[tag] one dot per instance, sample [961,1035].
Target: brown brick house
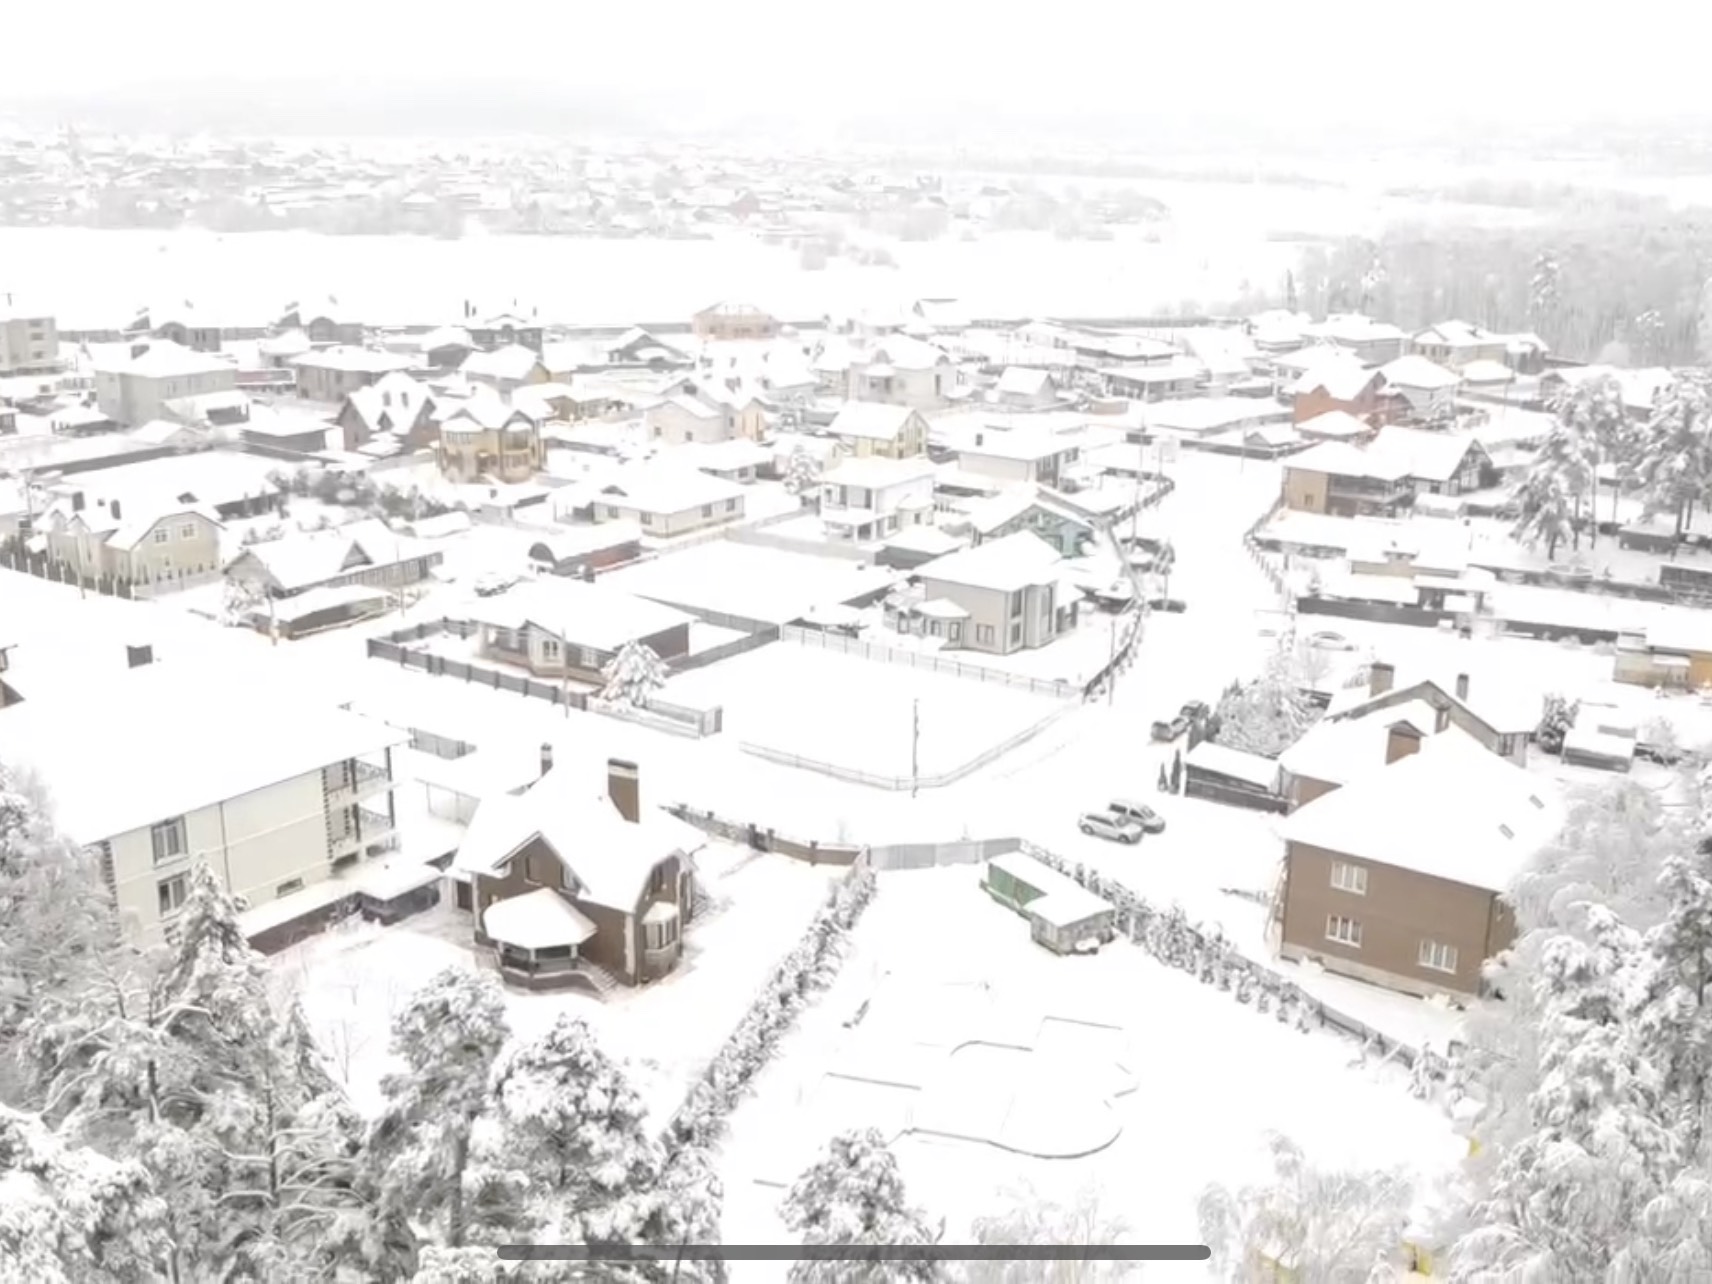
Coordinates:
[1344,385]
[570,887]
[1398,877]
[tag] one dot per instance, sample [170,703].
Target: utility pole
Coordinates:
[915,747]
[1111,663]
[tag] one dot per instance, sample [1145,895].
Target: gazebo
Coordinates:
[536,937]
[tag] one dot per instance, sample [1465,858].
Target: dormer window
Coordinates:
[1506,831]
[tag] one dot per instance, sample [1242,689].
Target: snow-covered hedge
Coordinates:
[809,968]
[1169,937]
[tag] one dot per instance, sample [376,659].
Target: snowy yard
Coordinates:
[353,978]
[858,713]
[966,1044]
[749,581]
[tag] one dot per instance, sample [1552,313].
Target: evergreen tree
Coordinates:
[854,1195]
[1545,505]
[802,474]
[576,1134]
[1676,1021]
[633,675]
[448,1036]
[1565,1195]
[1673,464]
[70,1214]
[1269,714]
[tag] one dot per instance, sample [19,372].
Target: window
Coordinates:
[707,510]
[1016,633]
[288,887]
[1016,604]
[984,633]
[1349,878]
[168,840]
[549,649]
[1506,831]
[162,535]
[187,531]
[657,936]
[1345,931]
[731,505]
[1438,956]
[657,880]
[171,893]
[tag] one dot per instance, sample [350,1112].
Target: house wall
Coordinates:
[254,844]
[535,374]
[28,344]
[991,622]
[514,453]
[920,389]
[1304,789]
[548,654]
[712,325]
[1318,401]
[133,399]
[202,338]
[1400,909]
[320,383]
[1305,491]
[676,426]
[191,547]
[665,525]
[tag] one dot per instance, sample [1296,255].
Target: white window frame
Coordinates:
[549,648]
[1349,878]
[984,633]
[168,840]
[658,936]
[1436,956]
[162,534]
[162,895]
[1344,930]
[187,531]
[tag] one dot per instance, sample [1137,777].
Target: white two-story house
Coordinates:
[133,388]
[871,498]
[1000,597]
[901,371]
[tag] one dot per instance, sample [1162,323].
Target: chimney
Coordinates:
[1401,741]
[1462,687]
[1380,676]
[624,788]
[137,656]
[113,508]
[546,758]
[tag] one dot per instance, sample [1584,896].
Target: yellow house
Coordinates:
[873,428]
[484,437]
[1669,652]
[103,541]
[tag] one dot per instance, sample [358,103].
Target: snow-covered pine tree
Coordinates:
[448,1035]
[855,1195]
[1557,718]
[56,919]
[70,1214]
[1244,988]
[690,1199]
[576,1134]
[1545,507]
[1263,999]
[1320,1225]
[1676,1018]
[1565,1196]
[1268,715]
[633,675]
[1544,295]
[468,1265]
[1673,454]
[801,472]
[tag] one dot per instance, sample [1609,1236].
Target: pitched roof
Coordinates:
[1336,425]
[1415,371]
[395,395]
[574,611]
[305,560]
[1020,381]
[1430,456]
[666,488]
[609,856]
[1003,565]
[873,420]
[164,359]
[903,353]
[1340,459]
[1450,810]
[359,360]
[513,361]
[1344,379]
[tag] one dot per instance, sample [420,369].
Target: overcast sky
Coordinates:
[1315,62]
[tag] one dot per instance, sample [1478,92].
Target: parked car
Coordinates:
[1326,640]
[1171,605]
[1103,824]
[1151,822]
[1195,710]
[493,583]
[1172,729]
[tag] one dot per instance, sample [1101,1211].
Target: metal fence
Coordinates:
[846,645]
[724,651]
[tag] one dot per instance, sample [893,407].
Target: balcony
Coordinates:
[360,831]
[352,781]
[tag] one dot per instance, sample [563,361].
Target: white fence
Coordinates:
[924,660]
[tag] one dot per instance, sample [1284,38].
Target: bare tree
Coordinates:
[1031,1219]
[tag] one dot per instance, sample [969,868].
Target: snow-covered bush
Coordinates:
[854,1195]
[633,675]
[801,472]
[1269,714]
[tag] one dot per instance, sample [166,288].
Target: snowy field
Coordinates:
[858,713]
[950,1031]
[749,581]
[352,979]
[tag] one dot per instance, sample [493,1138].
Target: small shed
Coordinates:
[581,550]
[1063,916]
[1607,748]
[1221,774]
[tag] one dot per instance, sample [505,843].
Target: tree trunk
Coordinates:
[455,1197]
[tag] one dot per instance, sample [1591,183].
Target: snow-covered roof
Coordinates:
[1415,371]
[687,405]
[1340,459]
[872,420]
[1430,456]
[1486,371]
[352,359]
[1450,810]
[665,489]
[924,539]
[576,612]
[1343,378]
[1336,425]
[1352,327]
[303,560]
[164,359]
[1342,749]
[1211,414]
[1003,565]
[1019,381]
[901,352]
[537,920]
[721,456]
[1022,445]
[874,473]
[1237,764]
[577,541]
[168,744]
[609,857]
[513,362]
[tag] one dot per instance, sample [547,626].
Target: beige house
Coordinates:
[105,541]
[666,501]
[485,437]
[133,389]
[681,420]
[171,781]
[1398,877]
[864,428]
[734,321]
[570,628]
[1000,597]
[29,343]
[505,369]
[332,374]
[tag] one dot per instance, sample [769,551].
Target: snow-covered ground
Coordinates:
[1178,1082]
[749,581]
[353,978]
[867,715]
